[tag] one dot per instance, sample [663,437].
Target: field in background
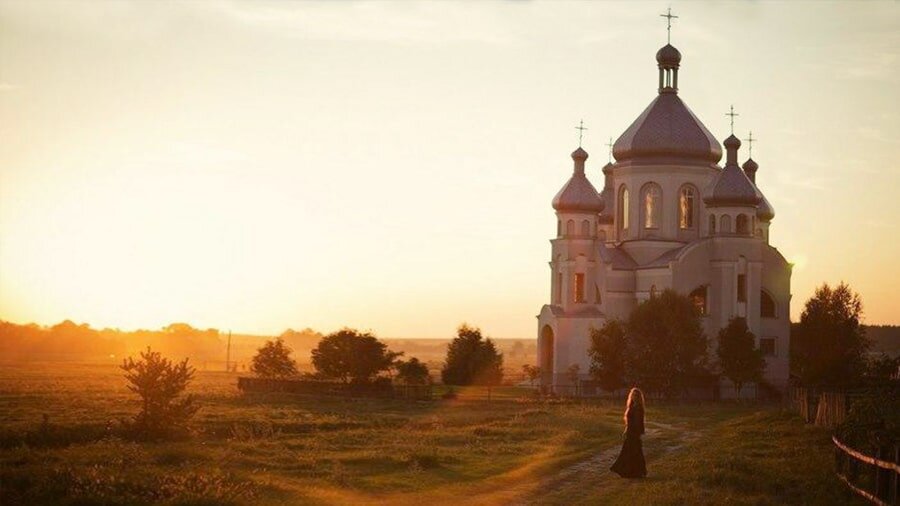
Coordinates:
[286,450]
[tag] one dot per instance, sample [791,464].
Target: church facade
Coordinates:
[669,216]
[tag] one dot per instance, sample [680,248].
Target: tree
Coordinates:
[572,373]
[472,360]
[532,372]
[740,359]
[412,372]
[607,352]
[273,360]
[352,356]
[159,382]
[666,344]
[829,344]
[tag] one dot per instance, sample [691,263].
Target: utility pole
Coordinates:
[228,354]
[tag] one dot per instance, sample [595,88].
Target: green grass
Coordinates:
[275,449]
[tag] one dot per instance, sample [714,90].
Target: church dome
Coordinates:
[732,188]
[667,132]
[578,194]
[668,56]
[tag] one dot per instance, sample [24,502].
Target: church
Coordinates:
[669,216]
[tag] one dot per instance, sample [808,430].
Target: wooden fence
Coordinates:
[880,484]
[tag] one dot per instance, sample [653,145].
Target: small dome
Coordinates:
[765,211]
[732,188]
[750,166]
[732,142]
[668,56]
[579,154]
[607,169]
[578,194]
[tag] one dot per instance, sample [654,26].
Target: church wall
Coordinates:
[571,342]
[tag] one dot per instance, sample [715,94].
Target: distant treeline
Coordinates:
[884,338]
[79,342]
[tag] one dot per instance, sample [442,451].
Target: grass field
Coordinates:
[272,449]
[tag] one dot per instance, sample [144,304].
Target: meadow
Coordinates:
[58,445]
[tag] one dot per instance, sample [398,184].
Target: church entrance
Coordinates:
[546,364]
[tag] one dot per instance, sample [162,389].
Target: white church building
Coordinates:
[668,217]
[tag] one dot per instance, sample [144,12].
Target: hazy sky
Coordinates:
[390,166]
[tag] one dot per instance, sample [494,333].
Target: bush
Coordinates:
[412,372]
[740,359]
[159,382]
[274,360]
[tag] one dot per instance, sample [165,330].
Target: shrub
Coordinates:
[607,352]
[740,359]
[273,360]
[159,382]
[412,372]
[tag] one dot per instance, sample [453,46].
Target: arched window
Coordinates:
[686,207]
[766,305]
[570,227]
[741,225]
[725,224]
[652,291]
[558,228]
[712,224]
[586,228]
[623,208]
[652,197]
[596,294]
[698,297]
[579,287]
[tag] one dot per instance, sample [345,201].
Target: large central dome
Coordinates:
[667,132]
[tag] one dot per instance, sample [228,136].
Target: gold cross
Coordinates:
[732,114]
[669,17]
[581,128]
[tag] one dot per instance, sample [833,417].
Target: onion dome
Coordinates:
[667,132]
[606,194]
[750,168]
[732,187]
[668,56]
[578,194]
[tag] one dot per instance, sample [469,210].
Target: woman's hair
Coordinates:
[635,401]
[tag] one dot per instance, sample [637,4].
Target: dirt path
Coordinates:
[658,439]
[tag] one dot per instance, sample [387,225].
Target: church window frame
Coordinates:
[725,224]
[651,206]
[558,228]
[687,207]
[742,224]
[585,228]
[712,224]
[570,228]
[700,298]
[579,288]
[741,288]
[624,213]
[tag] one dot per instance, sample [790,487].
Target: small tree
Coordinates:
[351,355]
[740,359]
[572,373]
[472,360]
[412,372]
[607,353]
[159,382]
[273,360]
[532,372]
[829,344]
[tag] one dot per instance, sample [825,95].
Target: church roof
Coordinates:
[619,259]
[578,194]
[667,132]
[732,187]
[668,56]
[765,211]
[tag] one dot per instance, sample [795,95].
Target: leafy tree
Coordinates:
[608,355]
[159,382]
[829,344]
[472,360]
[350,355]
[273,360]
[666,344]
[412,372]
[740,359]
[532,372]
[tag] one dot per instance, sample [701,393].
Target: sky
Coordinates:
[257,166]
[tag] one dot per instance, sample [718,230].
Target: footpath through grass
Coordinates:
[271,449]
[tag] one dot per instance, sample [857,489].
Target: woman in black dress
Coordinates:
[630,463]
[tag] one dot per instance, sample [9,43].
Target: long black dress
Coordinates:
[630,463]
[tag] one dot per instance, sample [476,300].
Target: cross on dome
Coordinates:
[669,17]
[581,128]
[750,140]
[732,114]
[610,146]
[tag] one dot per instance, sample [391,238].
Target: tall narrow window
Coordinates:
[686,208]
[742,288]
[741,225]
[596,294]
[579,287]
[712,224]
[651,207]
[623,208]
[586,228]
[766,305]
[725,225]
[558,228]
[559,290]
[698,297]
[570,228]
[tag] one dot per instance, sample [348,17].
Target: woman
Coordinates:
[630,463]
